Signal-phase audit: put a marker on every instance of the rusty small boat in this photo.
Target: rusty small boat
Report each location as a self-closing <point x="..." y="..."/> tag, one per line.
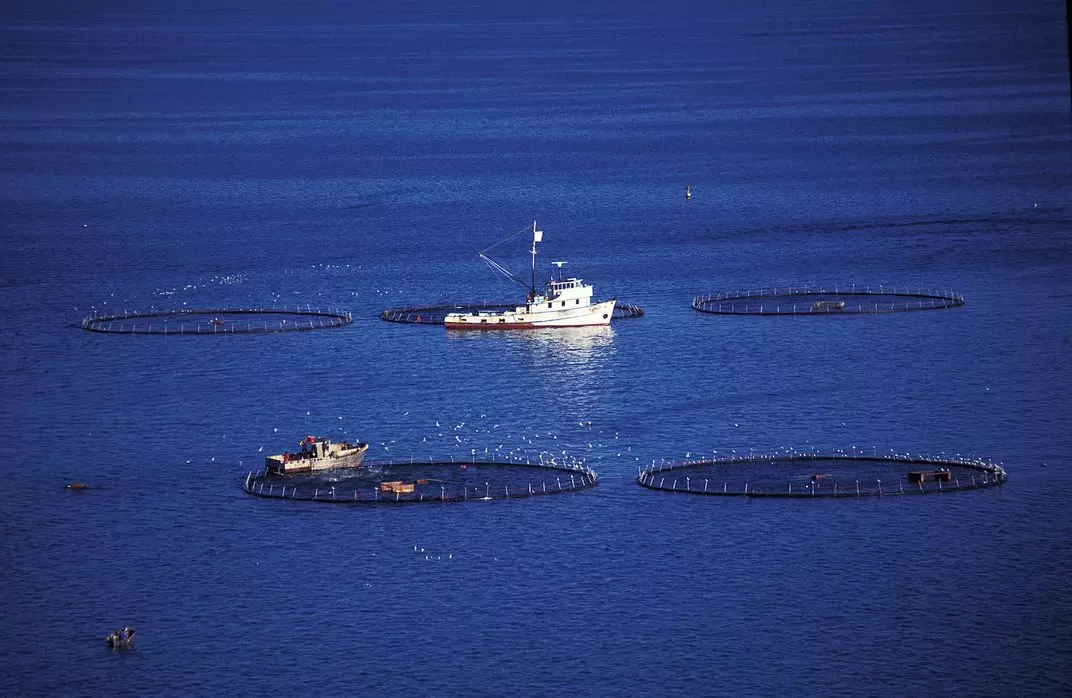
<point x="123" y="638"/>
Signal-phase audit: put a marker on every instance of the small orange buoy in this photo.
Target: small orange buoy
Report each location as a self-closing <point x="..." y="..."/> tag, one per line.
<point x="76" y="486"/>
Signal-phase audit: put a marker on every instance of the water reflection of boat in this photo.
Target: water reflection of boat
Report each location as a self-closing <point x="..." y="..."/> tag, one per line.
<point x="565" y="302"/>
<point x="576" y="343"/>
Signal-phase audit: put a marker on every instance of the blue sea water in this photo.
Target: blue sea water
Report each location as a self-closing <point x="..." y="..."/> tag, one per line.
<point x="333" y="154"/>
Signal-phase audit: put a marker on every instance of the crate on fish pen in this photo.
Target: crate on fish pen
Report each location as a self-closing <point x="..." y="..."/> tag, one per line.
<point x="920" y="476"/>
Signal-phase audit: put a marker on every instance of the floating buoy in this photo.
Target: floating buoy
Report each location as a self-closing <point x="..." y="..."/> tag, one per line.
<point x="75" y="486"/>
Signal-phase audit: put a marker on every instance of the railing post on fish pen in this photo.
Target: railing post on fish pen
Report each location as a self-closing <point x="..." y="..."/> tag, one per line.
<point x="725" y="487"/>
<point x="857" y="488"/>
<point x="315" y="493"/>
<point x="705" y="485"/>
<point x="487" y="490"/>
<point x="879" y="487"/>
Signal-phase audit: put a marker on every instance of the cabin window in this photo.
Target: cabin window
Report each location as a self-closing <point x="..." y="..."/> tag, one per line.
<point x="563" y="304"/>
<point x="502" y="319"/>
<point x="485" y="320"/>
<point x="550" y="305"/>
<point x="577" y="302"/>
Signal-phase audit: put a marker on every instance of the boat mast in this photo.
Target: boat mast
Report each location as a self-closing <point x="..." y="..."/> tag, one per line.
<point x="537" y="236"/>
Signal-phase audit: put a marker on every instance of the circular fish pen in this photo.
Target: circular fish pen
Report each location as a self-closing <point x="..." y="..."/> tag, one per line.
<point x="217" y="321"/>
<point x="435" y="314"/>
<point x="838" y="300"/>
<point x="830" y="474"/>
<point x="414" y="481"/>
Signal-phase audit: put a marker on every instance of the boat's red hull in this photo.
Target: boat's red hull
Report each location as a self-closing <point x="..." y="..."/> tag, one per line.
<point x="514" y="326"/>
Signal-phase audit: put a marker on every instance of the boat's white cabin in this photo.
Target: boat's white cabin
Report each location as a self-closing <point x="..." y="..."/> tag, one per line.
<point x="567" y="292"/>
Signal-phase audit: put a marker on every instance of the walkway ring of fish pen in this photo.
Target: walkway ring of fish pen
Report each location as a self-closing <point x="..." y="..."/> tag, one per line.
<point x="206" y="321"/>
<point x="559" y="475"/>
<point x="849" y="299"/>
<point x="435" y="314"/>
<point x="933" y="475"/>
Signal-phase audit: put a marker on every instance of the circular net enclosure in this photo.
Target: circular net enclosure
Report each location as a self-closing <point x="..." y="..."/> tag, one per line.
<point x="831" y="474"/>
<point x="836" y="300"/>
<point x="428" y="481"/>
<point x="217" y="321"/>
<point x="435" y="314"/>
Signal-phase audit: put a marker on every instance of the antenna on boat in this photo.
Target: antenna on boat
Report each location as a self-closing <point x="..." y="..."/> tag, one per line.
<point x="559" y="265"/>
<point x="537" y="236"/>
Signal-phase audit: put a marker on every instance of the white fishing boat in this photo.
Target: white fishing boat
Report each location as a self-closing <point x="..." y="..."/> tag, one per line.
<point x="565" y="302"/>
<point x="317" y="454"/>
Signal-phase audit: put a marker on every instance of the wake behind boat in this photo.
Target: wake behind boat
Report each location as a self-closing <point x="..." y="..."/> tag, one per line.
<point x="565" y="302"/>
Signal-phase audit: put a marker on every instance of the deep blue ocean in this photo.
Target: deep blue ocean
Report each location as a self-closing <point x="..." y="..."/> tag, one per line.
<point x="162" y="155"/>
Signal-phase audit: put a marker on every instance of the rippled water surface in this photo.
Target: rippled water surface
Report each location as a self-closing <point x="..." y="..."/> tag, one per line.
<point x="329" y="155"/>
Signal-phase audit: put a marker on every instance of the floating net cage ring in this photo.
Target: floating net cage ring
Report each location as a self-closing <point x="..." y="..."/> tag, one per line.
<point x="826" y="300"/>
<point x="430" y="481"/>
<point x="834" y="474"/>
<point x="217" y="321"/>
<point x="435" y="314"/>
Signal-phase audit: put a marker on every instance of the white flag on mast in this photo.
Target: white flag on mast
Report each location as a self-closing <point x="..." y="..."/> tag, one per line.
<point x="537" y="235"/>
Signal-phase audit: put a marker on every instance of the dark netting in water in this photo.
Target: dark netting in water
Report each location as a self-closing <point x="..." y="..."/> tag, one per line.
<point x="435" y="314"/>
<point x="836" y="300"/>
<point x="830" y="474"/>
<point x="217" y="321"/>
<point x="428" y="481"/>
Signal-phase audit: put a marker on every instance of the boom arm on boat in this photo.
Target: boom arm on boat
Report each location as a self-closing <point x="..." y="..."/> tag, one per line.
<point x="502" y="270"/>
